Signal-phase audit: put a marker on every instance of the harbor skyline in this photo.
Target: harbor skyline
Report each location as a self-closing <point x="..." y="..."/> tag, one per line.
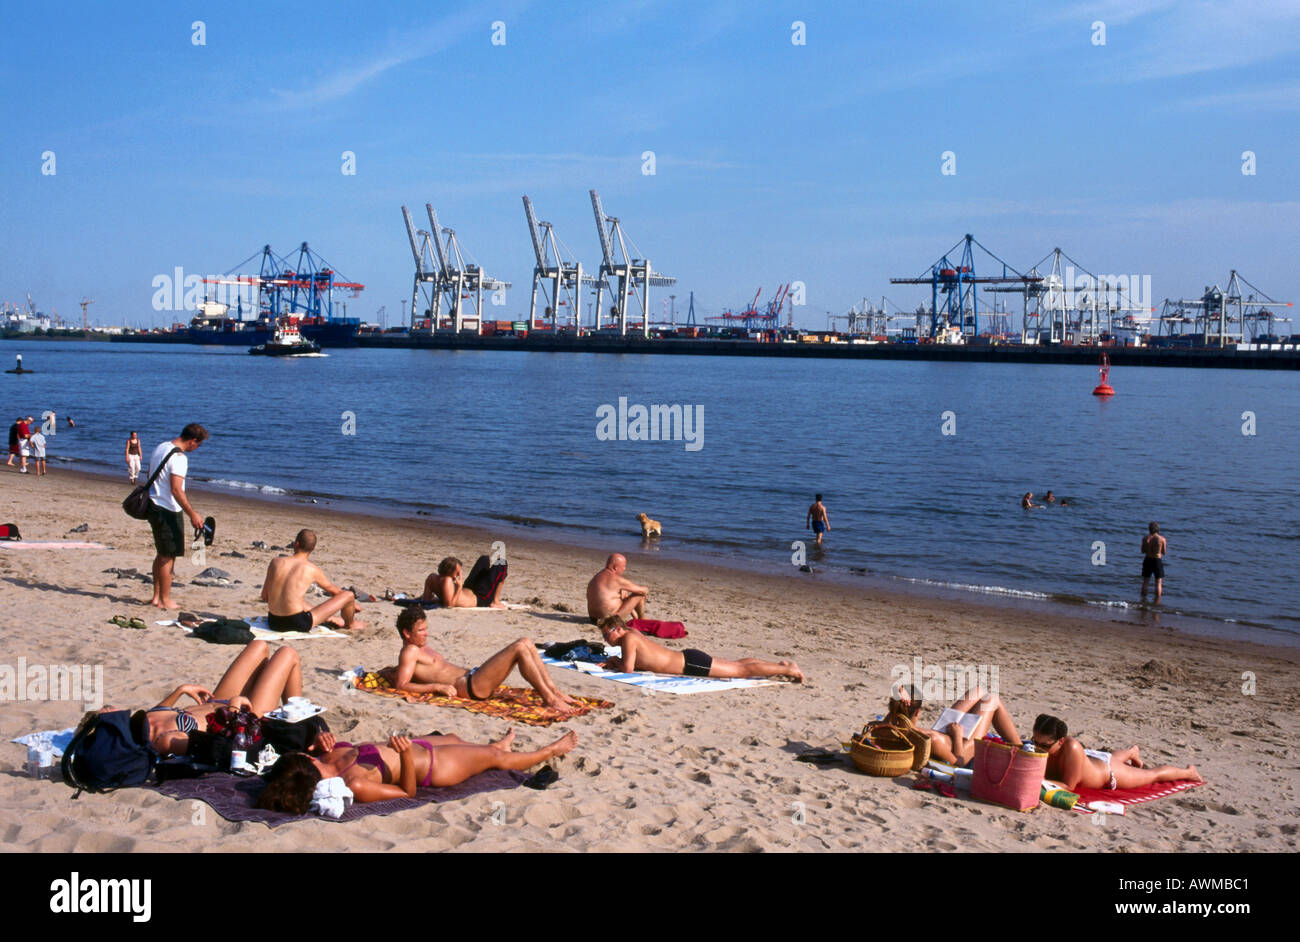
<point x="775" y="154"/>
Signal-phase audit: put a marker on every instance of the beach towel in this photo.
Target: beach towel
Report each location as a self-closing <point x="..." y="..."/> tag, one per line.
<point x="257" y="624"/>
<point x="1131" y="796"/>
<point x="517" y="704"/>
<point x="661" y="683"/>
<point x="658" y="629"/>
<point x="235" y="797"/>
<point x="54" y="544"/>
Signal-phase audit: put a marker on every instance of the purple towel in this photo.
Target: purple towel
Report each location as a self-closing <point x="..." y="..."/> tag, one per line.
<point x="235" y="797"/>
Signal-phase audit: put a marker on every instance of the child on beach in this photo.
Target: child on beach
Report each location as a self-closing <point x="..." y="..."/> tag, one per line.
<point x="376" y="772"/>
<point x="420" y="669"/>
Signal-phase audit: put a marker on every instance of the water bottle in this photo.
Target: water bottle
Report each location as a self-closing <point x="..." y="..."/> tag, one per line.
<point x="239" y="750"/>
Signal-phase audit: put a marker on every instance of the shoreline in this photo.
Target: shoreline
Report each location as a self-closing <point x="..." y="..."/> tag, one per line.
<point x="657" y="772"/>
<point x="897" y="588"/>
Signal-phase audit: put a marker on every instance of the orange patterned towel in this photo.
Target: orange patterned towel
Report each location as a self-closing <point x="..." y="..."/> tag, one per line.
<point x="517" y="704"/>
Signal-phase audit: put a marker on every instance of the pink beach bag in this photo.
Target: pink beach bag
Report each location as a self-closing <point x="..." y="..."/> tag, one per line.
<point x="1007" y="775"/>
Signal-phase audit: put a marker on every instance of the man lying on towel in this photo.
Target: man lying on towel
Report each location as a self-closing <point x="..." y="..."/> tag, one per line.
<point x="642" y="654"/>
<point x="420" y="669"/>
<point x="480" y="589"/>
<point x="287" y="580"/>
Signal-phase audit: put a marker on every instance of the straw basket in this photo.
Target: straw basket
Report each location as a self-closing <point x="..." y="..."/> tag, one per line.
<point x="919" y="740"/>
<point x="881" y="749"/>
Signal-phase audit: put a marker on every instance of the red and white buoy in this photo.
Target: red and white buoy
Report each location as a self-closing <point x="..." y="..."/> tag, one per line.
<point x="1104" y="388"/>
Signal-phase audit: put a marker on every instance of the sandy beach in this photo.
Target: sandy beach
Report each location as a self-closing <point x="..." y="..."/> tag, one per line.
<point x="713" y="771"/>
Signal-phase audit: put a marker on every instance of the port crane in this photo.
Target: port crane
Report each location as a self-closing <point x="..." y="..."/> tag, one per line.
<point x="954" y="292"/>
<point x="424" y="287"/>
<point x="458" y="281"/>
<point x="622" y="273"/>
<point x="1223" y="313"/>
<point x="301" y="288"/>
<point x="560" y="281"/>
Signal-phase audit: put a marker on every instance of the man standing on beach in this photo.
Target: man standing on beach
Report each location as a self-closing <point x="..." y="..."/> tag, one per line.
<point x="285" y="592"/>
<point x="1154" y="547"/>
<point x="608" y="593"/>
<point x="37" y="442"/>
<point x="24" y="441"/>
<point x="168" y="508"/>
<point x="818" y="519"/>
<point x="13" y="443"/>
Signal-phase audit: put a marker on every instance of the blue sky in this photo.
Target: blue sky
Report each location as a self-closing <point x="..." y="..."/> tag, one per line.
<point x="775" y="162"/>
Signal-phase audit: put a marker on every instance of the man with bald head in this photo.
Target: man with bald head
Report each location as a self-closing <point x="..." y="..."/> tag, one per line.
<point x="608" y="593"/>
<point x="285" y="590"/>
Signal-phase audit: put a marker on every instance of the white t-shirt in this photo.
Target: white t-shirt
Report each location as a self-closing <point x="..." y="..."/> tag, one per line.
<point x="38" y="444"/>
<point x="178" y="466"/>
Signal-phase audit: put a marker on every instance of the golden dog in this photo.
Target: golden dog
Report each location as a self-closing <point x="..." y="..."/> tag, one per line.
<point x="649" y="527"/>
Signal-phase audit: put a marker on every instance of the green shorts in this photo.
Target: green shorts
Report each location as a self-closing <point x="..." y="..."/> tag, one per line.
<point x="168" y="530"/>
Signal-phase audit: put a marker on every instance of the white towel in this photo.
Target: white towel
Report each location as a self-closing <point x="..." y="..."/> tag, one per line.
<point x="331" y="797"/>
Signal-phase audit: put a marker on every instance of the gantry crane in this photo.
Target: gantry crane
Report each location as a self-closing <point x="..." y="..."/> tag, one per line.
<point x="1223" y="313"/>
<point x="553" y="274"/>
<point x="303" y="288"/>
<point x="424" y="288"/>
<point x="627" y="273"/>
<point x="454" y="280"/>
<point x="953" y="292"/>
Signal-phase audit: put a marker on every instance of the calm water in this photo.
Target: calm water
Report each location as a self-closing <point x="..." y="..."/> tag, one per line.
<point x="511" y="438"/>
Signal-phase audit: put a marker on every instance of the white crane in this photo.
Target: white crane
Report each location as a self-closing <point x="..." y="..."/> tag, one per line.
<point x="458" y="280"/>
<point x="552" y="273"/>
<point x="628" y="273"/>
<point x="426" y="272"/>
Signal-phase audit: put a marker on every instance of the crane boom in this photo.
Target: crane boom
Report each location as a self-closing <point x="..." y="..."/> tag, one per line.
<point x="415" y="245"/>
<point x="435" y="233"/>
<point x="606" y="250"/>
<point x="532" y="231"/>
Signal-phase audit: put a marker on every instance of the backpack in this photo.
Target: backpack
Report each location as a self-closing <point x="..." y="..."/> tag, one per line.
<point x="104" y="756"/>
<point x="9" y="531"/>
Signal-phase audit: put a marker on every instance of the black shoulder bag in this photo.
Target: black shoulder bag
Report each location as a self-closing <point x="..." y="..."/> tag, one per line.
<point x="137" y="502"/>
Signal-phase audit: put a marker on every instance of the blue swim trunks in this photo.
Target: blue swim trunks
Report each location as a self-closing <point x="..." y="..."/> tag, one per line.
<point x="819" y="526"/>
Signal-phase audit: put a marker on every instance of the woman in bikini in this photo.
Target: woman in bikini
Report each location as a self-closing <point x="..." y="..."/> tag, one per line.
<point x="255" y="680"/>
<point x="952" y="745"/>
<point x="375" y="772"/>
<point x="1069" y="764"/>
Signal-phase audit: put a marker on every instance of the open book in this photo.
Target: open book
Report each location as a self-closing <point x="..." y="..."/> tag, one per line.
<point x="950" y="716"/>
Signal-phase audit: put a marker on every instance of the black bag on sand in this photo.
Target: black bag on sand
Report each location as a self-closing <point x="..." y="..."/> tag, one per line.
<point x="9" y="531"/>
<point x="136" y="503"/>
<point x="292" y="737"/>
<point x="104" y="755"/>
<point x="224" y="631"/>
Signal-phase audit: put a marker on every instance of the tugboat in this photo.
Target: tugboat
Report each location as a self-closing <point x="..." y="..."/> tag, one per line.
<point x="287" y="341"/>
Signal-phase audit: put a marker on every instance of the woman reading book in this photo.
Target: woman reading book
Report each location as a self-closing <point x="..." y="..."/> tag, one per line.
<point x="967" y="720"/>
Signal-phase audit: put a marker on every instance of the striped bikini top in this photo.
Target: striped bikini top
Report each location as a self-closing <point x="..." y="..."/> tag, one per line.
<point x="185" y="723"/>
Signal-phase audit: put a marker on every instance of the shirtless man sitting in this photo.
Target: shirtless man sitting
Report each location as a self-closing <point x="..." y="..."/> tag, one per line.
<point x="420" y="669"/>
<point x="608" y="593"/>
<point x="287" y="580"/>
<point x="642" y="654"/>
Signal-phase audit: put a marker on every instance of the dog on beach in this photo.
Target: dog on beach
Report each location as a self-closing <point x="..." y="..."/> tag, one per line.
<point x="649" y="527"/>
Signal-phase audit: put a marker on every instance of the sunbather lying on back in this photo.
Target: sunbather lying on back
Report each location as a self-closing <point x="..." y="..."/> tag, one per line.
<point x="375" y="772"/>
<point x="1070" y="765"/>
<point x="952" y="744"/>
<point x="253" y="680"/>
<point x="642" y="654"/>
<point x="420" y="669"/>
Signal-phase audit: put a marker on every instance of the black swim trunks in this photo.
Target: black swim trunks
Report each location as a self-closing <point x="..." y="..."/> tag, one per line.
<point x="168" y="530"/>
<point x="1151" y="566"/>
<point x="483" y="580"/>
<point x="469" y="685"/>
<point x="299" y="622"/>
<point x="698" y="663"/>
